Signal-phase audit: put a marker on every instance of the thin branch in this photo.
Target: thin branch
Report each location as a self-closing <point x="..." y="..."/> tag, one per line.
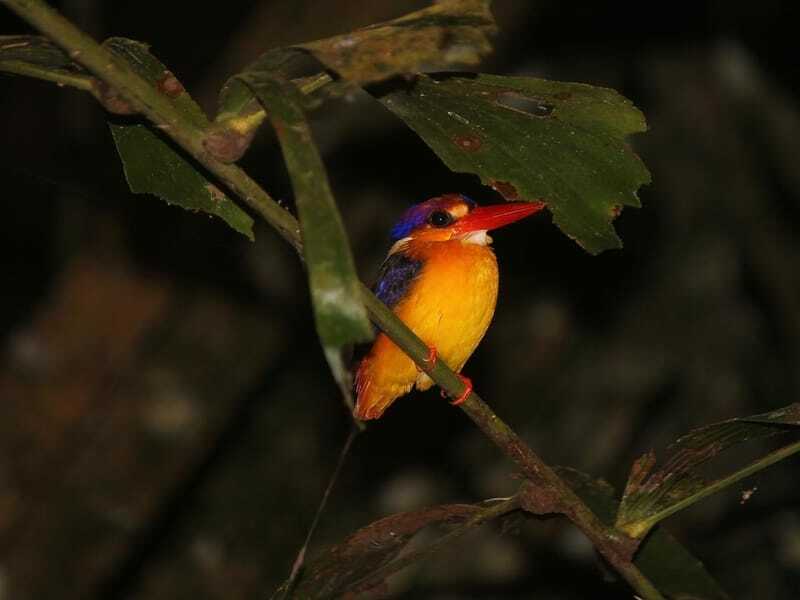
<point x="611" y="544"/>
<point x="58" y="76"/>
<point x="299" y="561"/>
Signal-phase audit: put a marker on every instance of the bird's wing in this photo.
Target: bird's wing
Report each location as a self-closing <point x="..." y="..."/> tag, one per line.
<point x="397" y="273"/>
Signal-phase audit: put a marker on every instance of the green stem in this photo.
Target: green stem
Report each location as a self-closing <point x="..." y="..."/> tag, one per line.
<point x="74" y="80"/>
<point x="639" y="528"/>
<point x="159" y="109"/>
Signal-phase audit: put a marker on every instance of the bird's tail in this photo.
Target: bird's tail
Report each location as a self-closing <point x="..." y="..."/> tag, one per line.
<point x="370" y="402"/>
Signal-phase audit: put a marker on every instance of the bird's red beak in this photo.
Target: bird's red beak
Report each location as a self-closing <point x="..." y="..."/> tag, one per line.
<point x="496" y="215"/>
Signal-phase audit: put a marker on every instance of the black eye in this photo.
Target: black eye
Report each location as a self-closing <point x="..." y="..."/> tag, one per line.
<point x="441" y="218"/>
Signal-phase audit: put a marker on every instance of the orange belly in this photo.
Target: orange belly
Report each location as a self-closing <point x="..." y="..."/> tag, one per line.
<point x="449" y="306"/>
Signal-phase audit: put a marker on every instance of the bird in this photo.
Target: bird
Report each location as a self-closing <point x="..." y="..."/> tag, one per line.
<point x="440" y="278"/>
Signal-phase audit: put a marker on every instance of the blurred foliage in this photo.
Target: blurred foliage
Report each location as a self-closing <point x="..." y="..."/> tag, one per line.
<point x="595" y="360"/>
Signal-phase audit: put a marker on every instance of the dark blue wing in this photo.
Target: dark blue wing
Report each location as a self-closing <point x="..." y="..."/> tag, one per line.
<point x="397" y="273"/>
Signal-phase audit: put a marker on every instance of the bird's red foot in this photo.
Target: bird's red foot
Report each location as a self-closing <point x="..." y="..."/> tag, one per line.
<point x="467" y="390"/>
<point x="433" y="356"/>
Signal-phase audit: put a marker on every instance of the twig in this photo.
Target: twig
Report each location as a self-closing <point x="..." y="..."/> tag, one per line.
<point x="611" y="544"/>
<point x="62" y="78"/>
<point x="301" y="555"/>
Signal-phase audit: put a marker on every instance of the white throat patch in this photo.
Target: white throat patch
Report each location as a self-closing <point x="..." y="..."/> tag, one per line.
<point x="480" y="238"/>
<point x="399" y="245"/>
<point x="477" y="237"/>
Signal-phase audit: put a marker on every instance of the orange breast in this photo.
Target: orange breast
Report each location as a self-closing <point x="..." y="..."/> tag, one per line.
<point x="449" y="306"/>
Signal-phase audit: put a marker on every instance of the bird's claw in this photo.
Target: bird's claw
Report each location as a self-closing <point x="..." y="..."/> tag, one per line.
<point x="465" y="394"/>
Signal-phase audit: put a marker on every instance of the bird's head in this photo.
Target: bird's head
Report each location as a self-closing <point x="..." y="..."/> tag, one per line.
<point x="454" y="216"/>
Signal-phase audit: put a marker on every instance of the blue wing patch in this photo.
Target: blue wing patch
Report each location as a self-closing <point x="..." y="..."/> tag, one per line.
<point x="397" y="273"/>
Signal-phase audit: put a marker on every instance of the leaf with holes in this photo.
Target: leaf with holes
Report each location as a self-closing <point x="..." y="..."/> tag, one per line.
<point x="533" y="139"/>
<point x="652" y="495"/>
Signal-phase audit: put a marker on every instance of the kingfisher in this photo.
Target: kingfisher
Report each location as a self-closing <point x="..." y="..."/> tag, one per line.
<point x="440" y="278"/>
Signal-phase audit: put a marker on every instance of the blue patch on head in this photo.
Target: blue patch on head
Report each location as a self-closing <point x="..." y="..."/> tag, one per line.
<point x="418" y="214"/>
<point x="411" y="219"/>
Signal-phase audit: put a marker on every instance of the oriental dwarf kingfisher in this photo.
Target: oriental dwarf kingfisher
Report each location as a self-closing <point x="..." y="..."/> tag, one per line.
<point x="440" y="278"/>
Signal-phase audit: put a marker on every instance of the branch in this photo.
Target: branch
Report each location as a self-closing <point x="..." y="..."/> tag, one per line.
<point x="158" y="108"/>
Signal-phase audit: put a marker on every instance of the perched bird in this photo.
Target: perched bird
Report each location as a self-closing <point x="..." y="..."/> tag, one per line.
<point x="440" y="278"/>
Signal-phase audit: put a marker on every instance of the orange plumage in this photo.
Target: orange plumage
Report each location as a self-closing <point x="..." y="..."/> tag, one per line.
<point x="441" y="279"/>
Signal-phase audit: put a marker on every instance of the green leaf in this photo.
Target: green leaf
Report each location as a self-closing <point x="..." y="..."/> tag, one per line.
<point x="533" y="139"/>
<point x="447" y="33"/>
<point x="152" y="166"/>
<point x="151" y="69"/>
<point x="663" y="560"/>
<point x="335" y="289"/>
<point x="652" y="495"/>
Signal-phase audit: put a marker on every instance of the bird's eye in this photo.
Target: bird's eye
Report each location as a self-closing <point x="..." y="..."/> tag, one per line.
<point x="441" y="218"/>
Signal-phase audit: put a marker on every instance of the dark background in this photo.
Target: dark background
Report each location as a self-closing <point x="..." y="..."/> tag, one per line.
<point x="168" y="421"/>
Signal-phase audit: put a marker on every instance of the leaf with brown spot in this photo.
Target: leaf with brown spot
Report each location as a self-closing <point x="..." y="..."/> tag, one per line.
<point x="652" y="495"/>
<point x="138" y="56"/>
<point x="154" y="166"/>
<point x="533" y="139"/>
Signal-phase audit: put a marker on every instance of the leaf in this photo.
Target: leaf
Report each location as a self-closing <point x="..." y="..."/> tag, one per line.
<point x="240" y="113"/>
<point x="339" y="569"/>
<point x="35" y="50"/>
<point x="152" y="166"/>
<point x="662" y="559"/>
<point x="151" y="69"/>
<point x="449" y="32"/>
<point x="652" y="494"/>
<point x="335" y="289"/>
<point x="533" y="139"/>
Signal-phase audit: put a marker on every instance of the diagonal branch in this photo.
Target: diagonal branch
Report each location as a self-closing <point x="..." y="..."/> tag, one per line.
<point x="159" y="109"/>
